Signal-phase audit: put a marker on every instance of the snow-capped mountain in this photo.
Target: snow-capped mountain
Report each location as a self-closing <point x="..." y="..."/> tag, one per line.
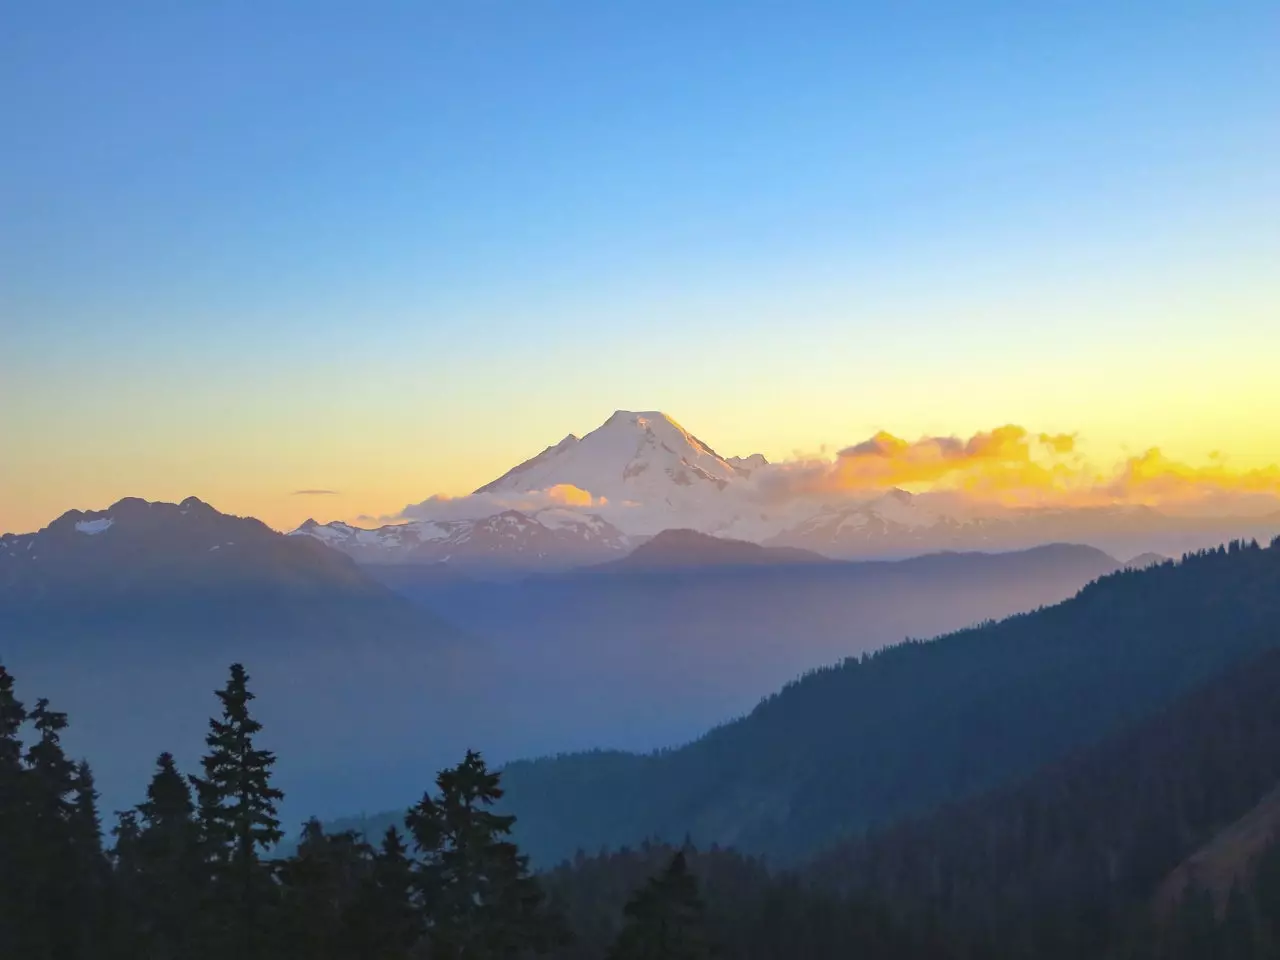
<point x="649" y="472"/>
<point x="640" y="473"/>
<point x="644" y="473"/>
<point x="547" y="539"/>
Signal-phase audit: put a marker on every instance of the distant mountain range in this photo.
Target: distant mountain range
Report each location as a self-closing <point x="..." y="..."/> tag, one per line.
<point x="133" y="610"/>
<point x="646" y="474"/>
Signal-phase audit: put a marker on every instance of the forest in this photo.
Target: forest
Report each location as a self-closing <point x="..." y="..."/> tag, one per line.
<point x="1064" y="864"/>
<point x="1156" y="840"/>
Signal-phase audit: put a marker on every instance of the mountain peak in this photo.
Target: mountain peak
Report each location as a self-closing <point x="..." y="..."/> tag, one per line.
<point x="638" y="416"/>
<point x="648" y="470"/>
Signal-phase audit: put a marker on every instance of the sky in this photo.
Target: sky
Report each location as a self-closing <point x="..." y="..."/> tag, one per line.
<point x="391" y="249"/>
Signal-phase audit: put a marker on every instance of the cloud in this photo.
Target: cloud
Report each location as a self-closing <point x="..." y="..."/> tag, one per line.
<point x="1060" y="442"/>
<point x="1006" y="467"/>
<point x="1154" y="479"/>
<point x="1013" y="467"/>
<point x="1005" y="456"/>
<point x="315" y="493"/>
<point x="476" y="505"/>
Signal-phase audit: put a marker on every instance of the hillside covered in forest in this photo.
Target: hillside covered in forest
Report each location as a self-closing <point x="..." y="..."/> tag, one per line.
<point x="898" y="732"/>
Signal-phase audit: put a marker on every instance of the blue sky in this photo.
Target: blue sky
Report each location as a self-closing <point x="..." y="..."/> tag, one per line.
<point x="390" y="248"/>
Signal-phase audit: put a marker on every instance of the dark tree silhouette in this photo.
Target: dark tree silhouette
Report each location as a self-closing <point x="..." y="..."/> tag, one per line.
<point x="383" y="917"/>
<point x="166" y="858"/>
<point x="237" y="814"/>
<point x="472" y="883"/>
<point x="665" y="919"/>
<point x="15" y="838"/>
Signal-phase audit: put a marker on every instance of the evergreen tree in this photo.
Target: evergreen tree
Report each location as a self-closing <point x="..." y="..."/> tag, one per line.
<point x="15" y="836"/>
<point x="237" y="812"/>
<point x="92" y="872"/>
<point x="170" y="875"/>
<point x="383" y="918"/>
<point x="125" y="936"/>
<point x="665" y="919"/>
<point x="473" y="883"/>
<point x="320" y="885"/>
<point x="55" y="913"/>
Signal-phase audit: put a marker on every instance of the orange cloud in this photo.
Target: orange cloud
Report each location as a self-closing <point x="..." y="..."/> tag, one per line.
<point x="1154" y="479"/>
<point x="567" y="495"/>
<point x="444" y="507"/>
<point x="1007" y="456"/>
<point x="1013" y="467"/>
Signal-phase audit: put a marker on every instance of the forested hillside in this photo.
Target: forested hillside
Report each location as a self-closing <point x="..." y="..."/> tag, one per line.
<point x="920" y="724"/>
<point x="1065" y="864"/>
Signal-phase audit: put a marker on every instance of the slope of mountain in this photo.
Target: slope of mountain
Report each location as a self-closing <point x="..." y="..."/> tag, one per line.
<point x="1226" y="858"/>
<point x="547" y="539"/>
<point x="675" y="549"/>
<point x="1060" y="865"/>
<point x="919" y="724"/>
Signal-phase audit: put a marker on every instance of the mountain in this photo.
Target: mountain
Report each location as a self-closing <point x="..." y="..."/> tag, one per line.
<point x="645" y="474"/>
<point x="129" y="613"/>
<point x="652" y="474"/>
<point x="548" y="539"/>
<point x="916" y="725"/>
<point x="135" y="550"/>
<point x="676" y="549"/>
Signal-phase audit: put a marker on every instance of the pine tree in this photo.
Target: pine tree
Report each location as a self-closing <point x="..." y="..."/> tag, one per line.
<point x="92" y="872"/>
<point x="665" y="919"/>
<point x="51" y="875"/>
<point x="320" y="885"/>
<point x="16" y="852"/>
<point x="170" y="875"/>
<point x="473" y="883"/>
<point x="125" y="937"/>
<point x="383" y="920"/>
<point x="237" y="813"/>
